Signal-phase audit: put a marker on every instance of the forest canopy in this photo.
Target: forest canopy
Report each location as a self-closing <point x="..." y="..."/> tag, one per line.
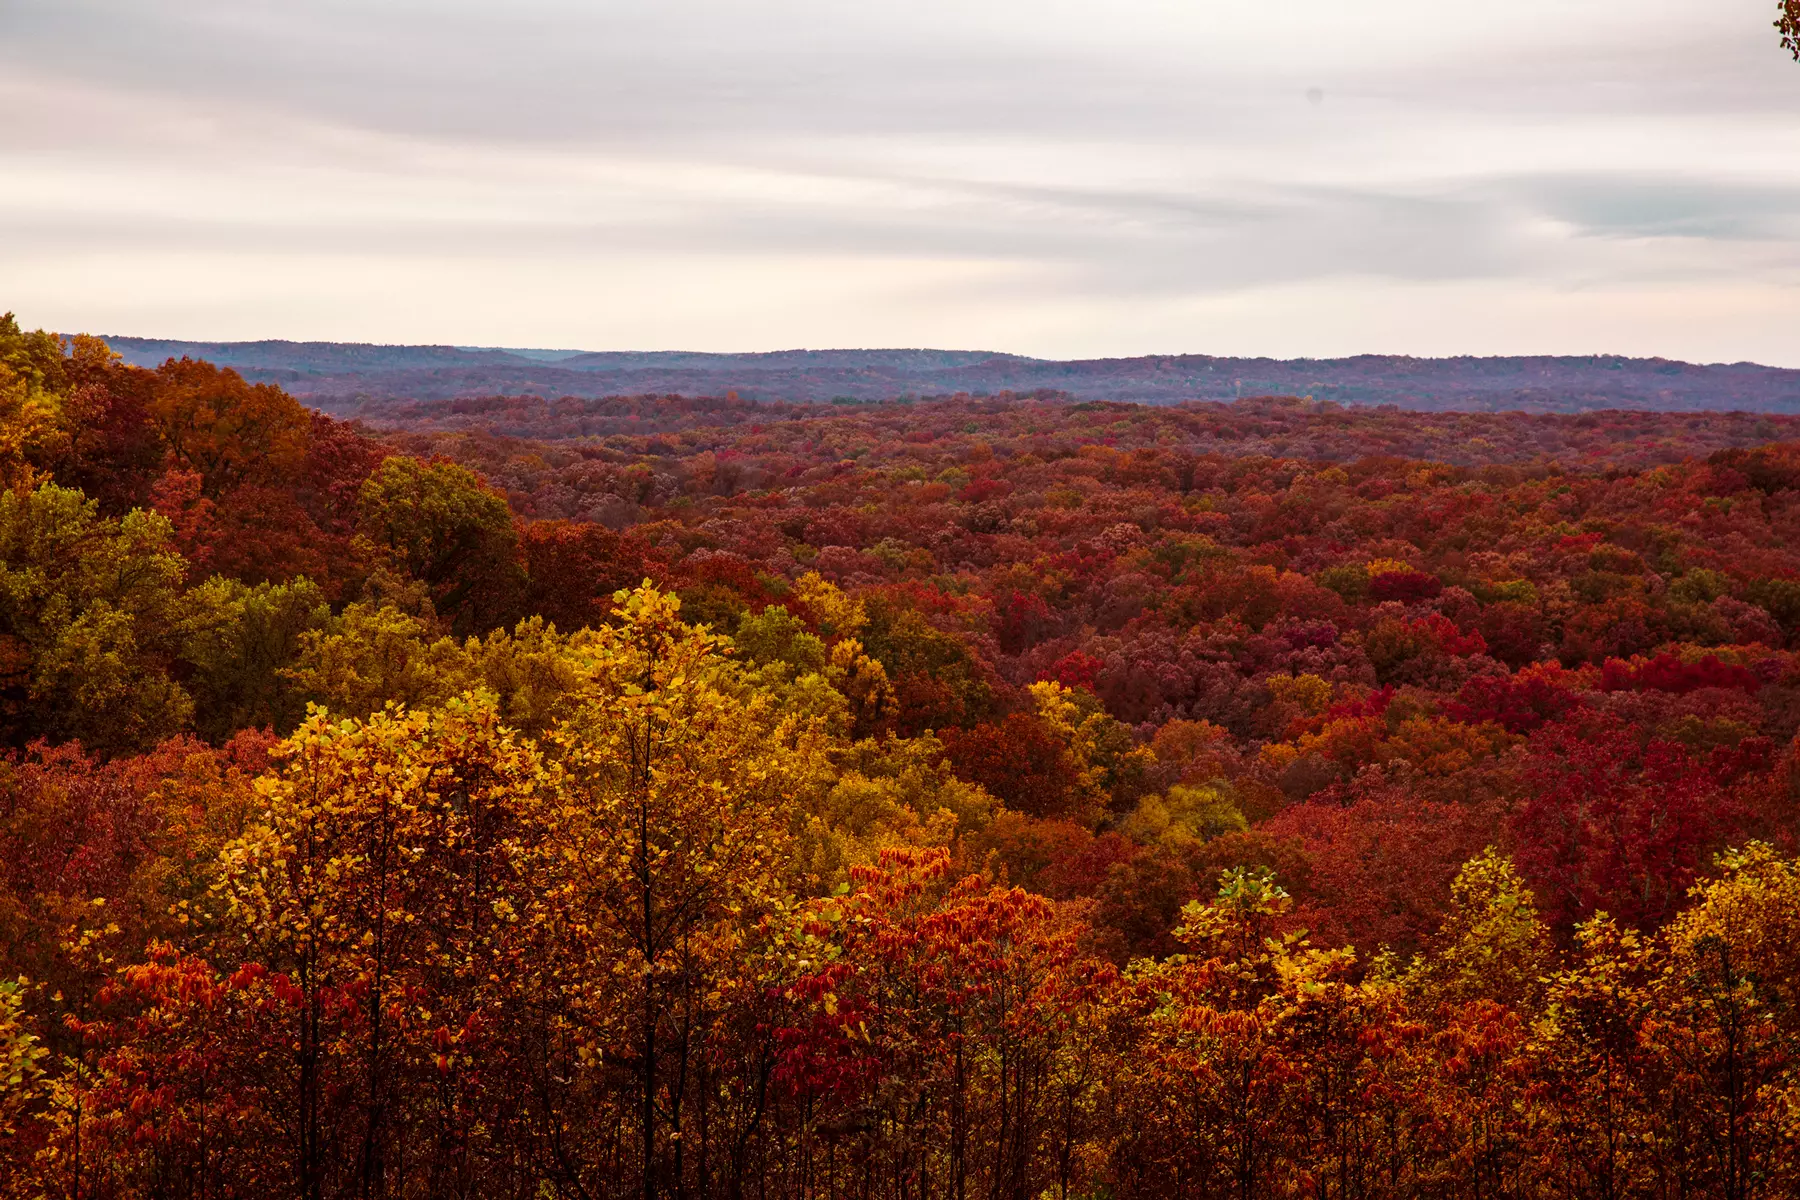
<point x="993" y="795"/>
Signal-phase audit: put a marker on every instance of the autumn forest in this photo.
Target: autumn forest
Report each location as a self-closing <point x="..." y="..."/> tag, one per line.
<point x="979" y="796"/>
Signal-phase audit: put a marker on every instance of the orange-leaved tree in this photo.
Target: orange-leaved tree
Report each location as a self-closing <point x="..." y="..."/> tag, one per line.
<point x="226" y="430"/>
<point x="951" y="1039"/>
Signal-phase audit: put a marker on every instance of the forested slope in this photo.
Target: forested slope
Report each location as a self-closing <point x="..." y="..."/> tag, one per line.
<point x="347" y="377"/>
<point x="982" y="796"/>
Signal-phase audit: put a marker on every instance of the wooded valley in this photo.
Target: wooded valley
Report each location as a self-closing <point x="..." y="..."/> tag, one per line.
<point x="990" y="796"/>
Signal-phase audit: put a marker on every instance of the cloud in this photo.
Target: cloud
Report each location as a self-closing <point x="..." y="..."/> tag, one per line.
<point x="1643" y="205"/>
<point x="1062" y="176"/>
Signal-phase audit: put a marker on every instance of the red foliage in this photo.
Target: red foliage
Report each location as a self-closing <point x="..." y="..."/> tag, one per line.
<point x="265" y="533"/>
<point x="70" y="825"/>
<point x="338" y="458"/>
<point x="1022" y="620"/>
<point x="1379" y="870"/>
<point x="1405" y="586"/>
<point x="1074" y="669"/>
<point x="1668" y="673"/>
<point x="573" y="569"/>
<point x="176" y="496"/>
<point x="1059" y="858"/>
<point x="1517" y="703"/>
<point x="1018" y="759"/>
<point x="1614" y="822"/>
<point x="1514" y="633"/>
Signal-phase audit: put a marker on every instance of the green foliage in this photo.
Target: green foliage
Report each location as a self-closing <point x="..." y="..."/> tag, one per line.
<point x="33" y="361"/>
<point x="1700" y="586"/>
<point x="887" y="793"/>
<point x="713" y="605"/>
<point x="1350" y="581"/>
<point x="241" y="643"/>
<point x="373" y="655"/>
<point x="1240" y="916"/>
<point x="438" y="523"/>
<point x="31" y="403"/>
<point x="20" y="1059"/>
<point x="92" y="615"/>
<point x="1781" y="597"/>
<point x="937" y="680"/>
<point x="776" y="636"/>
<point x="1511" y="591"/>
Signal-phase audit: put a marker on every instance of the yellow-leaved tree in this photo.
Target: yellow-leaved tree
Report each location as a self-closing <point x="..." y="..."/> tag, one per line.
<point x="31" y="400"/>
<point x="668" y="860"/>
<point x="21" y="1082"/>
<point x="1728" y="1024"/>
<point x="379" y="898"/>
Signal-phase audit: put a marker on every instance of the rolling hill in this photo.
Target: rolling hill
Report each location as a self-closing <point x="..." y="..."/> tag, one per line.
<point x="340" y="376"/>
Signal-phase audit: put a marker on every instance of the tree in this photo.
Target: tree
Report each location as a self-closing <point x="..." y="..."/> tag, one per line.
<point x="572" y="570"/>
<point x="31" y="383"/>
<point x="377" y="908"/>
<point x="1728" y="1024"/>
<point x="241" y="653"/>
<point x="228" y="431"/>
<point x="1491" y="947"/>
<point x="21" y="1089"/>
<point x="109" y="447"/>
<point x="951" y="1044"/>
<point x="1616" y="824"/>
<point x="1260" y="1065"/>
<point x="1019" y="759"/>
<point x="370" y="655"/>
<point x="439" y="524"/>
<point x="665" y="857"/>
<point x="91" y="622"/>
<point x="1789" y="25"/>
<point x="937" y="681"/>
<point x="1598" y="1068"/>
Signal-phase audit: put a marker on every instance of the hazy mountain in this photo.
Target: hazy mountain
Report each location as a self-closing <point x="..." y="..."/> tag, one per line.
<point x="340" y="375"/>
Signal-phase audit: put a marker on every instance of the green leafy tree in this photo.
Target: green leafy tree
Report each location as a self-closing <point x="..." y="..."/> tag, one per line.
<point x="1492" y="946"/>
<point x="441" y="525"/>
<point x="243" y="641"/>
<point x="92" y="616"/>
<point x="371" y="654"/>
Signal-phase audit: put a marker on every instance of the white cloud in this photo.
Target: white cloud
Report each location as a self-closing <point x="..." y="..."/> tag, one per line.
<point x="1051" y="177"/>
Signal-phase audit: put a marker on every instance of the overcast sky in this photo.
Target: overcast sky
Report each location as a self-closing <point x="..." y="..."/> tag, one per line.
<point x="1063" y="178"/>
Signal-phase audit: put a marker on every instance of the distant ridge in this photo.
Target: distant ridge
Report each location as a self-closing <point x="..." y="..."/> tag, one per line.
<point x="340" y="376"/>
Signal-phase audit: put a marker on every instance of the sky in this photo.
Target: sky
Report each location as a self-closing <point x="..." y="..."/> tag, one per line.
<point x="1062" y="178"/>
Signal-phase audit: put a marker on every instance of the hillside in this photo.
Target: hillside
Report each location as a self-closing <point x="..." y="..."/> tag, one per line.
<point x="337" y="376"/>
<point x="879" y="800"/>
